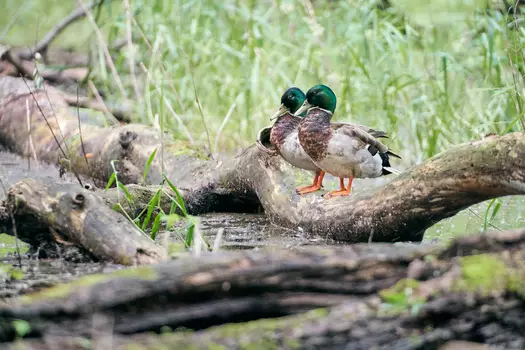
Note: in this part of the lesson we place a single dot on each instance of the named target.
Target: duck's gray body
(342, 149)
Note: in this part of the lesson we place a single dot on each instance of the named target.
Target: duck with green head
(341, 149)
(284, 137)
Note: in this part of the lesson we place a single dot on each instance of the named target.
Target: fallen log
(360, 297)
(55, 214)
(60, 218)
(398, 211)
(73, 216)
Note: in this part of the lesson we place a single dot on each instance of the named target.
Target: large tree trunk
(376, 296)
(398, 211)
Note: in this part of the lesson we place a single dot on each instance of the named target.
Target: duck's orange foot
(307, 189)
(343, 191)
(338, 193)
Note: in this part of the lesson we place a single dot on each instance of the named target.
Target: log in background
(401, 210)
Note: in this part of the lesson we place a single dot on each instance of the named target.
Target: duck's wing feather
(359, 133)
(373, 132)
(367, 135)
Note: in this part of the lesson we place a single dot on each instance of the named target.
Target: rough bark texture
(385, 297)
(398, 211)
(72, 215)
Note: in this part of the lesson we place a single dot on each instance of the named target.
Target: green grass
(431, 86)
(162, 220)
(430, 81)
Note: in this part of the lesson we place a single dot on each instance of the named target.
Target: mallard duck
(285, 140)
(341, 149)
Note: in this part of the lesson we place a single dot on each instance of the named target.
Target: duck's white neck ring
(322, 109)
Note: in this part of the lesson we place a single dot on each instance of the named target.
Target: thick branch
(398, 211)
(43, 44)
(386, 297)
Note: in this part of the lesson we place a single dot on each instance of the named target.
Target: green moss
(400, 291)
(9, 245)
(429, 258)
(175, 248)
(181, 148)
(267, 328)
(16, 273)
(84, 343)
(482, 273)
(11, 272)
(62, 290)
(401, 297)
(142, 272)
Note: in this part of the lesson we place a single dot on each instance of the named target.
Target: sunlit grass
(430, 84)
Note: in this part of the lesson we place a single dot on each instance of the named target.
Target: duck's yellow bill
(306, 105)
(282, 109)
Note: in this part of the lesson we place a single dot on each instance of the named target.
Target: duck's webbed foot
(343, 191)
(316, 186)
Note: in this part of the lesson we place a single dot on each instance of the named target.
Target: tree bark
(398, 211)
(72, 216)
(360, 297)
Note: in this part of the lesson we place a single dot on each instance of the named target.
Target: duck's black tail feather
(393, 154)
(387, 169)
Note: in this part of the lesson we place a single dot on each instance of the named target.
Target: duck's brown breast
(283, 127)
(314, 135)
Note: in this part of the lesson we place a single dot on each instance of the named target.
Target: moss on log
(361, 297)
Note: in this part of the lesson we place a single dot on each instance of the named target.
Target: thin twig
(168, 104)
(223, 124)
(15, 232)
(200, 108)
(45, 118)
(131, 60)
(42, 45)
(81, 138)
(113, 113)
(50, 128)
(161, 65)
(30, 136)
(99, 99)
(100, 37)
(481, 218)
(37, 73)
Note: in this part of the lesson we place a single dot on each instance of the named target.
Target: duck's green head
(319, 96)
(291, 100)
